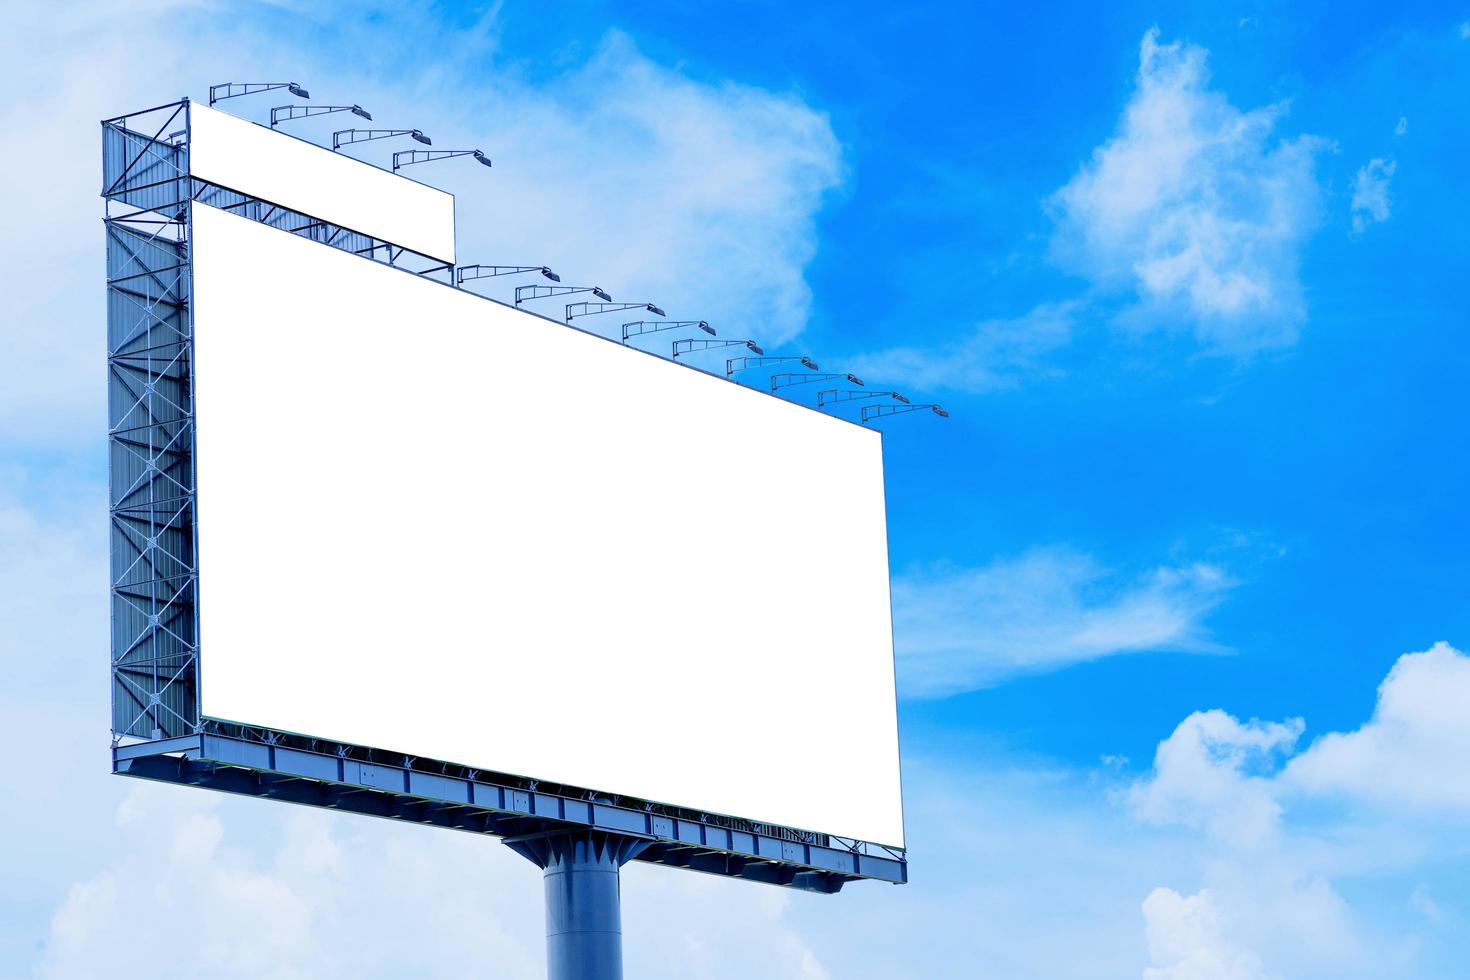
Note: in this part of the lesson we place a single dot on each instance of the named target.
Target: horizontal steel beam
(484, 806)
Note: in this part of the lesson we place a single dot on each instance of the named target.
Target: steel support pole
(581, 873)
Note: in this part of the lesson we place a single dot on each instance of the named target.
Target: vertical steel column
(581, 874)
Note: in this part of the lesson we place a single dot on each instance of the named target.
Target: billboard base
(581, 872)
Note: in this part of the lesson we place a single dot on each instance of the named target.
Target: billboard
(434, 524)
(272, 166)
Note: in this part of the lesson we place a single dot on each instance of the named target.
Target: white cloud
(1212, 774)
(1222, 775)
(996, 354)
(259, 890)
(1195, 206)
(1413, 753)
(700, 195)
(1277, 835)
(1187, 940)
(1402, 127)
(1465, 30)
(1371, 202)
(962, 629)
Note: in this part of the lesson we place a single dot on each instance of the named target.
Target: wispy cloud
(1371, 203)
(995, 354)
(963, 629)
(1195, 207)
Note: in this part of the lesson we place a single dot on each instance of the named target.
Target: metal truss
(150, 353)
(840, 395)
(276, 765)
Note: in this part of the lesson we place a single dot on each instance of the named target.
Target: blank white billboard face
(432, 524)
(301, 176)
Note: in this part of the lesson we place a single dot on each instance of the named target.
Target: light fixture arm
(787, 379)
(524, 293)
(467, 272)
(283, 113)
(880, 411)
(404, 158)
(233, 90)
(700, 344)
(838, 395)
(363, 135)
(591, 309)
(745, 363)
(653, 326)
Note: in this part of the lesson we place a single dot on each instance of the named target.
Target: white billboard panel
(301, 176)
(433, 524)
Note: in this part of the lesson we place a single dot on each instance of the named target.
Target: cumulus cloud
(1195, 206)
(1233, 778)
(1371, 202)
(1213, 773)
(1187, 940)
(248, 889)
(1413, 753)
(960, 629)
(995, 354)
(1278, 834)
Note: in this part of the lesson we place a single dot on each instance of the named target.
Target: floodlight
(406, 157)
(363, 135)
(231, 90)
(639, 327)
(281, 113)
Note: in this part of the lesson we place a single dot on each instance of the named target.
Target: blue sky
(1168, 584)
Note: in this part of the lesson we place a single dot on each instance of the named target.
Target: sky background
(1179, 588)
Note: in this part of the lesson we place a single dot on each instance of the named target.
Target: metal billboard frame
(158, 731)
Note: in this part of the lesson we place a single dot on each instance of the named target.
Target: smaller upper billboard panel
(301, 176)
